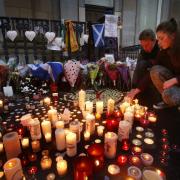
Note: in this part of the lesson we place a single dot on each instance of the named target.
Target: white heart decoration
(58, 41)
(12, 35)
(50, 36)
(30, 35)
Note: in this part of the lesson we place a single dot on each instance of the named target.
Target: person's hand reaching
(133, 93)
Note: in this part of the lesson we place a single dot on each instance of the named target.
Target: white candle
(147, 159)
(100, 130)
(124, 130)
(110, 106)
(53, 116)
(71, 145)
(46, 127)
(149, 141)
(90, 123)
(123, 106)
(82, 97)
(46, 162)
(135, 172)
(1, 147)
(136, 142)
(11, 145)
(89, 106)
(129, 116)
(60, 139)
(99, 107)
(113, 169)
(36, 146)
(47, 101)
(62, 167)
(25, 142)
(1, 103)
(75, 128)
(150, 174)
(86, 135)
(13, 169)
(35, 129)
(48, 137)
(110, 145)
(59, 124)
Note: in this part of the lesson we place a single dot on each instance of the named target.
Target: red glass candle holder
(164, 132)
(32, 157)
(122, 160)
(165, 147)
(125, 145)
(117, 114)
(83, 168)
(135, 160)
(32, 170)
(21, 131)
(163, 154)
(96, 153)
(144, 122)
(136, 150)
(164, 140)
(163, 161)
(112, 125)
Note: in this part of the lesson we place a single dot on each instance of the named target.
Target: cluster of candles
(67, 139)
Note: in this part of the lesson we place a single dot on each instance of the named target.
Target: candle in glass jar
(134, 172)
(62, 167)
(89, 106)
(47, 101)
(46, 127)
(136, 150)
(113, 170)
(147, 159)
(60, 139)
(99, 107)
(100, 130)
(53, 116)
(86, 135)
(90, 123)
(110, 144)
(152, 117)
(35, 129)
(36, 147)
(13, 169)
(71, 145)
(25, 142)
(135, 160)
(122, 160)
(110, 106)
(59, 124)
(46, 162)
(82, 97)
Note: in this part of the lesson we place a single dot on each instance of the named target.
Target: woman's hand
(133, 93)
(169, 83)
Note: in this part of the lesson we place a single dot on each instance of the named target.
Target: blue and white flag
(98, 35)
(46, 71)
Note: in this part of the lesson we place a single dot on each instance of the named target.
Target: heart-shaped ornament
(12, 35)
(50, 36)
(30, 35)
(58, 41)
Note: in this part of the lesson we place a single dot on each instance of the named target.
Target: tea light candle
(99, 107)
(155, 174)
(100, 130)
(86, 135)
(147, 159)
(139, 136)
(59, 124)
(25, 142)
(135, 172)
(136, 150)
(60, 139)
(136, 142)
(1, 174)
(62, 167)
(149, 141)
(152, 117)
(134, 160)
(122, 160)
(110, 144)
(47, 101)
(36, 147)
(98, 116)
(1, 147)
(13, 169)
(113, 169)
(48, 137)
(71, 145)
(110, 106)
(1, 103)
(149, 134)
(46, 162)
(32, 157)
(139, 129)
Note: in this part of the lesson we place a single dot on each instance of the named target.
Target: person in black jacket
(145, 61)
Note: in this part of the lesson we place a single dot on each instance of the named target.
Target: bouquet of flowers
(93, 71)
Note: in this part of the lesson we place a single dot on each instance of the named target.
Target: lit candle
(144, 122)
(139, 129)
(48, 137)
(53, 116)
(122, 160)
(11, 145)
(71, 145)
(32, 157)
(125, 145)
(1, 147)
(90, 123)
(1, 103)
(62, 167)
(46, 162)
(129, 116)
(89, 106)
(136, 142)
(36, 147)
(86, 135)
(123, 106)
(74, 127)
(149, 134)
(25, 142)
(46, 127)
(13, 169)
(152, 117)
(110, 144)
(35, 129)
(99, 107)
(59, 124)
(110, 106)
(147, 159)
(51, 176)
(60, 139)
(135, 160)
(136, 150)
(135, 172)
(124, 130)
(152, 173)
(113, 170)
(100, 130)
(149, 141)
(47, 101)
(82, 97)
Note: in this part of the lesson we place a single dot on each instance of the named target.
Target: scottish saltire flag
(46, 71)
(98, 35)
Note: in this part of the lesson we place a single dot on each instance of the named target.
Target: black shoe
(160, 105)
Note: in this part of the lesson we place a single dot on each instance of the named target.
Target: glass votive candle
(144, 122)
(139, 129)
(86, 135)
(32, 170)
(136, 150)
(164, 132)
(51, 176)
(165, 147)
(164, 140)
(100, 130)
(125, 145)
(122, 160)
(113, 170)
(1, 147)
(25, 142)
(147, 159)
(152, 117)
(163, 161)
(136, 142)
(59, 124)
(46, 162)
(135, 172)
(149, 134)
(149, 141)
(62, 167)
(134, 160)
(112, 125)
(32, 157)
(36, 147)
(48, 137)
